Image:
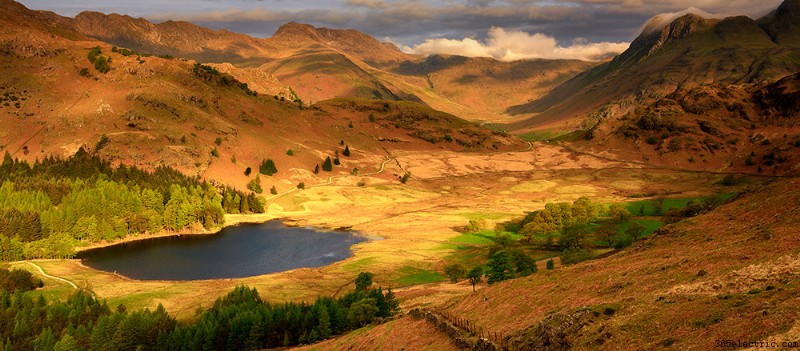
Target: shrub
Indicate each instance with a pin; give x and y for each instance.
(327, 166)
(247, 171)
(268, 167)
(290, 152)
(455, 271)
(301, 185)
(215, 152)
(273, 190)
(346, 151)
(550, 264)
(255, 185)
(218, 141)
(405, 178)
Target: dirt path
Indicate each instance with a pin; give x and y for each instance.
(42, 272)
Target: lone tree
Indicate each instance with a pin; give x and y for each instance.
(455, 271)
(551, 264)
(363, 281)
(346, 151)
(247, 171)
(316, 169)
(268, 167)
(475, 276)
(273, 190)
(327, 166)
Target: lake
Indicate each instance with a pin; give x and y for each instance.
(235, 252)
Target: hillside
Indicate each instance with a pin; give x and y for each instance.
(688, 52)
(321, 63)
(730, 274)
(688, 95)
(156, 110)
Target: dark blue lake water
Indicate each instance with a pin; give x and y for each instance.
(235, 252)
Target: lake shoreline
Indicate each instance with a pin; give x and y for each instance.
(230, 221)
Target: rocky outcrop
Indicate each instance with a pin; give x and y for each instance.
(552, 333)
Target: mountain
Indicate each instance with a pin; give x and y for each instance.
(685, 94)
(321, 63)
(686, 53)
(197, 118)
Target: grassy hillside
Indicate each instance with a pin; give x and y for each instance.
(726, 275)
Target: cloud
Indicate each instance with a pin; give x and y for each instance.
(507, 45)
(660, 21)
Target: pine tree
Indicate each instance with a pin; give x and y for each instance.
(346, 151)
(327, 166)
(268, 167)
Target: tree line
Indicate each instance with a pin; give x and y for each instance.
(241, 320)
(47, 207)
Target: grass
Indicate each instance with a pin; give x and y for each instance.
(650, 225)
(539, 135)
(413, 276)
(648, 208)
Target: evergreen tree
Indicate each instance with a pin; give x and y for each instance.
(327, 166)
(363, 281)
(268, 167)
(346, 151)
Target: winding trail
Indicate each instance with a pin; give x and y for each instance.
(42, 272)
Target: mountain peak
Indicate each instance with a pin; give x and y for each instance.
(783, 24)
(293, 30)
(663, 29)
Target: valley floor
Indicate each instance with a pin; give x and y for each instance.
(417, 222)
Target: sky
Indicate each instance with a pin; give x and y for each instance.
(503, 29)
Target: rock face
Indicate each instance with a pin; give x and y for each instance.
(551, 334)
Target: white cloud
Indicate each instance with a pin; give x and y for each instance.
(663, 19)
(517, 45)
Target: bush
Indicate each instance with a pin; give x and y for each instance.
(247, 171)
(215, 152)
(268, 167)
(571, 256)
(255, 185)
(346, 151)
(101, 143)
(273, 190)
(218, 141)
(290, 152)
(404, 178)
(550, 265)
(301, 185)
(455, 271)
(327, 166)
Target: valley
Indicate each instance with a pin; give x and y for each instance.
(648, 200)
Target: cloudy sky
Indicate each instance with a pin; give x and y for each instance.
(503, 29)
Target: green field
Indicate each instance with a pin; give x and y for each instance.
(648, 207)
(414, 276)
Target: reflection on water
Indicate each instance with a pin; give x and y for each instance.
(236, 252)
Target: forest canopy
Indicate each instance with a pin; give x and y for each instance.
(48, 207)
